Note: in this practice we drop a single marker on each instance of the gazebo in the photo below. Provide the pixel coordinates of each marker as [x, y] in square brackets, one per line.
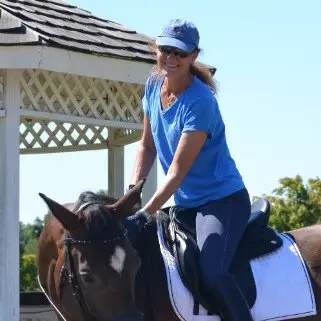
[69, 81]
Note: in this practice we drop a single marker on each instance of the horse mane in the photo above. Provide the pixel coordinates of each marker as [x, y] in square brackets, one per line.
[88, 196]
[99, 222]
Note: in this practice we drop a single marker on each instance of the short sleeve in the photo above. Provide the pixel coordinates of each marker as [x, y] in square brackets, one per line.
[146, 106]
[201, 115]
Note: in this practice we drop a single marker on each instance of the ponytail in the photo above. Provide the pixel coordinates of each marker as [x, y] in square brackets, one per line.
[204, 74]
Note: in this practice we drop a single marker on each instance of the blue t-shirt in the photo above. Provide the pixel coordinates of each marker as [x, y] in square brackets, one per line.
[213, 174]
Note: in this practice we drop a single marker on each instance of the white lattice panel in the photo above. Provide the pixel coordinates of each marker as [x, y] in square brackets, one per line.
[40, 136]
[81, 96]
[80, 110]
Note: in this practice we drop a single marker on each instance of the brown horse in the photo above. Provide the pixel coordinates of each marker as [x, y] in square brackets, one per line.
[90, 271]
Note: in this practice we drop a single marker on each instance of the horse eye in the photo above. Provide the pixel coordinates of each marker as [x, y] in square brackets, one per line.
[87, 278]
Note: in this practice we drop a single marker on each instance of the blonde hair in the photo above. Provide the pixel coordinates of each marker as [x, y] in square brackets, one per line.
[204, 73]
[198, 69]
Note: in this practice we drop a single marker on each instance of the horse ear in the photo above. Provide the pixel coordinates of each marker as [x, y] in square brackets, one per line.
[124, 206]
[68, 219]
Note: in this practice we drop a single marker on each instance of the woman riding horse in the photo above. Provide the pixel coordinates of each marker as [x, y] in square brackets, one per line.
[184, 127]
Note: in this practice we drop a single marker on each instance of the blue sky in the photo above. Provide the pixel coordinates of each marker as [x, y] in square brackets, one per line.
[268, 58]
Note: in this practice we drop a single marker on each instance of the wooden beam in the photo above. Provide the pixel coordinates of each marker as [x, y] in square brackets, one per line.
[66, 61]
[9, 198]
[64, 149]
[79, 119]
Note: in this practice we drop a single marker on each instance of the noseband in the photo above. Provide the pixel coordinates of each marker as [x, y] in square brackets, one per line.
[68, 268]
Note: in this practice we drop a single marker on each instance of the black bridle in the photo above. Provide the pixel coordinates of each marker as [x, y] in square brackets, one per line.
[68, 268]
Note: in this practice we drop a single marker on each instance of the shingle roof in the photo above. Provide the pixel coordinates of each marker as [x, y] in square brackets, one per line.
[58, 24]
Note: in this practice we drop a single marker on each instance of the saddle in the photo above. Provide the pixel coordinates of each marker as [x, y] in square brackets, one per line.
[259, 239]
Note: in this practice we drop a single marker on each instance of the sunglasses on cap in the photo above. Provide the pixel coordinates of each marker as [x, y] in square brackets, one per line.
[175, 51]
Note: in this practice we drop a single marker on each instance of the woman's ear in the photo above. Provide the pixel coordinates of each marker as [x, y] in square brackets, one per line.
[194, 55]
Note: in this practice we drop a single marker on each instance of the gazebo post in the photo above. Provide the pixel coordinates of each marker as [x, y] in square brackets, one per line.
[9, 197]
[116, 170]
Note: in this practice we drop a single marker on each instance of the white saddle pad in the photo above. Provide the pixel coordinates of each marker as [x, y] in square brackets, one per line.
[284, 289]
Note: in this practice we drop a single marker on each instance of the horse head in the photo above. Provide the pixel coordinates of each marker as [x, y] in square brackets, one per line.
[99, 260]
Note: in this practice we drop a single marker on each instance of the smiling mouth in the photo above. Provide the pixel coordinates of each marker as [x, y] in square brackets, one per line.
[171, 65]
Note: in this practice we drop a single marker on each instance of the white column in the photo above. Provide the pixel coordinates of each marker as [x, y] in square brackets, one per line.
[150, 184]
[9, 198]
[116, 171]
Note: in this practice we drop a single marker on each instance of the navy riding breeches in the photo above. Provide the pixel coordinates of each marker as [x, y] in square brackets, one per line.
[220, 225]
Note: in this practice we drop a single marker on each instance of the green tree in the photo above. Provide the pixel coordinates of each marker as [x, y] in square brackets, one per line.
[295, 204]
[28, 273]
[29, 235]
[37, 227]
[28, 239]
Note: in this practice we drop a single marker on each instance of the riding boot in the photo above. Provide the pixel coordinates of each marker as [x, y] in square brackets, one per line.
[233, 304]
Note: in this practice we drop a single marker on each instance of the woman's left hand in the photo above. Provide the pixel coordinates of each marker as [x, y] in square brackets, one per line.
[136, 224]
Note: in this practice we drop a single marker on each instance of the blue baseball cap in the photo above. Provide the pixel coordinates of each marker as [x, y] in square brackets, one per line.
[179, 33]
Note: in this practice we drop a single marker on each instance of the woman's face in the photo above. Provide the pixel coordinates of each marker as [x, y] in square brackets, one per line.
[175, 62]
